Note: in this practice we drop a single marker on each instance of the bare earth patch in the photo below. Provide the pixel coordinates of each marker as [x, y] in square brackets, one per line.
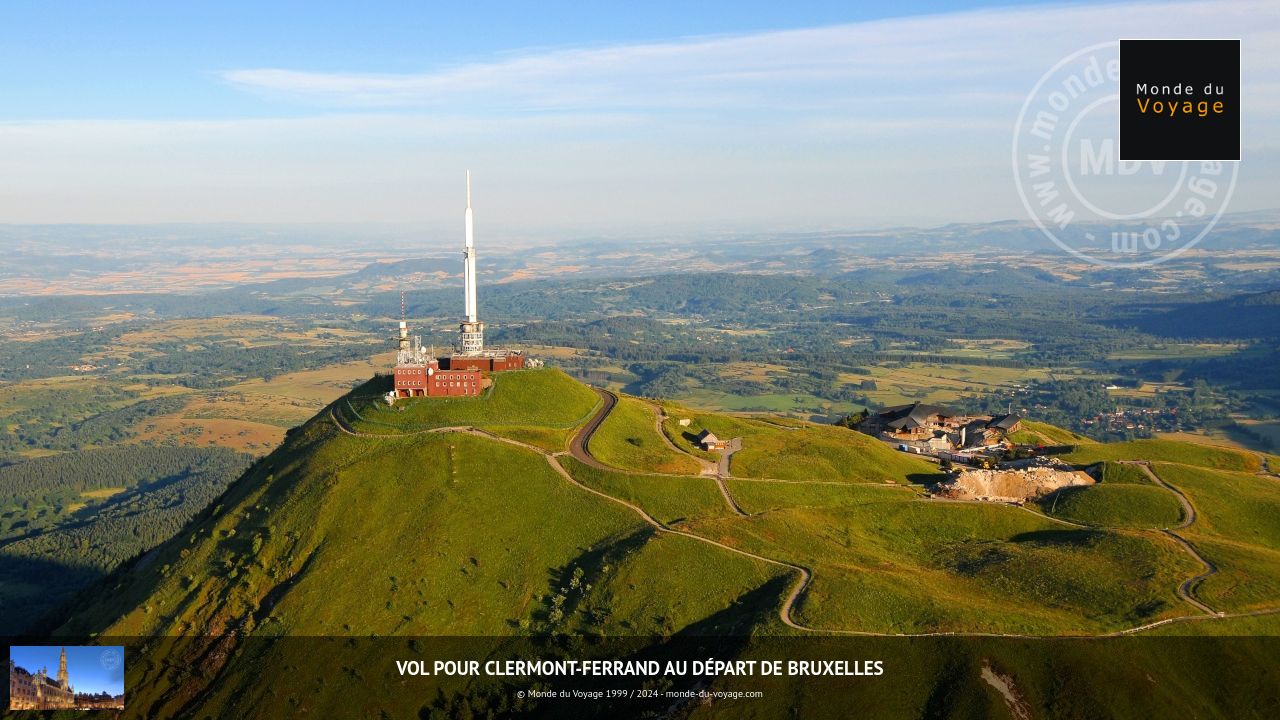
[1012, 486]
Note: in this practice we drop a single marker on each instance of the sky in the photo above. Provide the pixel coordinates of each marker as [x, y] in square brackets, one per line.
[574, 118]
[85, 667]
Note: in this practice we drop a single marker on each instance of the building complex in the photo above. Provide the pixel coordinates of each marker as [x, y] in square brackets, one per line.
[38, 690]
[419, 373]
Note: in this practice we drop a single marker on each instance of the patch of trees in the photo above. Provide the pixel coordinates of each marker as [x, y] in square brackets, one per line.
[216, 365]
[36, 429]
[64, 551]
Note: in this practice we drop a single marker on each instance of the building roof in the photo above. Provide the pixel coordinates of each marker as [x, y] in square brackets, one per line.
[1004, 422]
[706, 436]
[907, 417]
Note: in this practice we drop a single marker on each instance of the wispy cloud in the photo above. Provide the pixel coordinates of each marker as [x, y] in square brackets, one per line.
[903, 119]
[954, 57]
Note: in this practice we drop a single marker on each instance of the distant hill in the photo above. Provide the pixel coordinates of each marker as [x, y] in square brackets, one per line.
[1254, 315]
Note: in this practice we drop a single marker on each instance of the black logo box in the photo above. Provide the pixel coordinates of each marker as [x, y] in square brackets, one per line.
[1205, 73]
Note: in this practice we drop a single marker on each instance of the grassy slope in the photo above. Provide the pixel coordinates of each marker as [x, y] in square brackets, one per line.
[1166, 451]
[628, 439]
[668, 499]
[1114, 473]
[884, 560]
[1238, 529]
[1116, 505]
[412, 560]
[808, 452]
[1033, 433]
[341, 535]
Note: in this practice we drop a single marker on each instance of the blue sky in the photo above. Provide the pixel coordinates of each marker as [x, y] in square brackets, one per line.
[147, 60]
[575, 118]
[85, 668]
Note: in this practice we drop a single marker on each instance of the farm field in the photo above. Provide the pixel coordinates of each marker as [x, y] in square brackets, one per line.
[900, 383]
[243, 435]
[797, 403]
[1176, 350]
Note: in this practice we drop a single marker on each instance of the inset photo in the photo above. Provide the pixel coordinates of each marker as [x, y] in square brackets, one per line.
[72, 677]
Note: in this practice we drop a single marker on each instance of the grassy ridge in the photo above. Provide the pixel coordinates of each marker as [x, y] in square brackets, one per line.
[1238, 529]
[1166, 451]
[545, 398]
[1119, 505]
[1115, 473]
[886, 561]
[1034, 433]
[628, 439]
[807, 452]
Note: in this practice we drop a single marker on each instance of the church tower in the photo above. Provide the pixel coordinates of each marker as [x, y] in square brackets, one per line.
[63, 681]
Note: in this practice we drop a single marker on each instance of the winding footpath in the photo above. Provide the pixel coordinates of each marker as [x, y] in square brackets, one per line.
[579, 449]
[1188, 586]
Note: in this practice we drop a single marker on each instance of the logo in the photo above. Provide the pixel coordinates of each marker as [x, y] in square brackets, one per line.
[1082, 196]
[111, 658]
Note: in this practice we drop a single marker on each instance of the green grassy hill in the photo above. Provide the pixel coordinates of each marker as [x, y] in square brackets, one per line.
[1169, 451]
[1118, 505]
[796, 450]
[627, 440]
[367, 524]
[540, 407]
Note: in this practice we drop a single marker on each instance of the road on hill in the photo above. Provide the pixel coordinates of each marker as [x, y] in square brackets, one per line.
[578, 445]
[1188, 586]
[804, 575]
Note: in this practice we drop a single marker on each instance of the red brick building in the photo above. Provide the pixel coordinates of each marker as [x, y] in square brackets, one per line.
[429, 380]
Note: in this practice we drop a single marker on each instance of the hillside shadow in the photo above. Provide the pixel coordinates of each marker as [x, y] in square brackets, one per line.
[747, 612]
[591, 564]
[925, 479]
[35, 592]
[1071, 538]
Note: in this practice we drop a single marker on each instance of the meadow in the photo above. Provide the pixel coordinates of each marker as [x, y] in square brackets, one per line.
[627, 440]
[1159, 450]
[798, 450]
[979, 567]
[667, 499]
[1115, 505]
[1237, 528]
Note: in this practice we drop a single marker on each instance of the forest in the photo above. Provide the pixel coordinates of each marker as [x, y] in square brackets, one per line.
[68, 519]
